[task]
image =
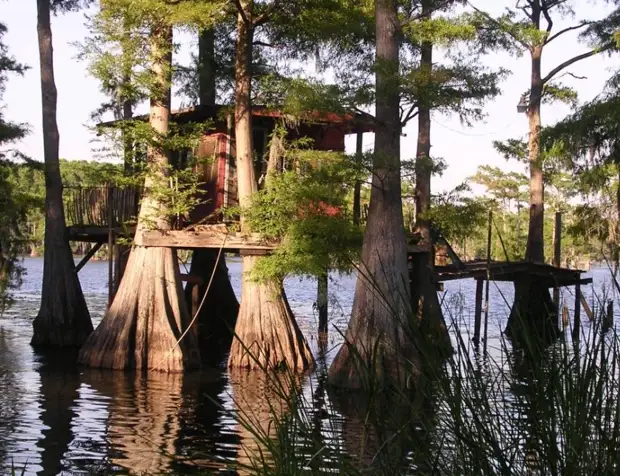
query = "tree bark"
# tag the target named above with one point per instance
(143, 326)
(424, 299)
(533, 316)
(377, 343)
(535, 250)
(266, 334)
(63, 319)
(206, 67)
(218, 314)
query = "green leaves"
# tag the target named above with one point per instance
(306, 209)
(12, 202)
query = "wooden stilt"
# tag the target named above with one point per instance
(486, 298)
(557, 254)
(117, 267)
(357, 190)
(478, 312)
(577, 323)
(321, 302)
(110, 247)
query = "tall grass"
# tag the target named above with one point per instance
(553, 411)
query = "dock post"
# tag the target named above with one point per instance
(117, 267)
(478, 312)
(110, 247)
(577, 323)
(486, 298)
(557, 254)
(357, 189)
(321, 302)
(608, 321)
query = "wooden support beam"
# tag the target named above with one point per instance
(557, 254)
(88, 256)
(577, 323)
(486, 293)
(117, 267)
(111, 239)
(191, 279)
(205, 238)
(478, 311)
(357, 210)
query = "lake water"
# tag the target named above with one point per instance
(58, 419)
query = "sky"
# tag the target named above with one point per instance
(463, 148)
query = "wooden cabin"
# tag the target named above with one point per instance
(92, 212)
(218, 174)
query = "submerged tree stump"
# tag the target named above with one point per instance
(267, 335)
(534, 317)
(427, 308)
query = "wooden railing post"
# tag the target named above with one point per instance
(557, 254)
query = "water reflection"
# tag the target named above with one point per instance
(58, 418)
(57, 400)
(262, 410)
(10, 397)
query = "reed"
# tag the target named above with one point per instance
(529, 411)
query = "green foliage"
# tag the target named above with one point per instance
(307, 212)
(457, 216)
(12, 203)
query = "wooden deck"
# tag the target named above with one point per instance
(510, 271)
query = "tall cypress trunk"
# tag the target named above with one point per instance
(425, 302)
(533, 317)
(535, 250)
(206, 67)
(218, 314)
(266, 334)
(376, 341)
(143, 327)
(63, 319)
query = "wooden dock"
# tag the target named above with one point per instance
(510, 271)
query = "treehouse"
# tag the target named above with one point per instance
(93, 213)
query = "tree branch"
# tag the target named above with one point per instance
(545, 12)
(574, 60)
(426, 14)
(263, 17)
(493, 20)
(410, 114)
(566, 30)
(241, 11)
(263, 43)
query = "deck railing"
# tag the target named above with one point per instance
(98, 206)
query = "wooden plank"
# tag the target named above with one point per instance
(191, 278)
(204, 239)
